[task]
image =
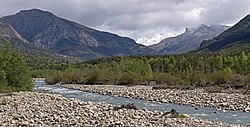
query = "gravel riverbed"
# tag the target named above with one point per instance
(46, 109)
(196, 97)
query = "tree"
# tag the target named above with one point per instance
(222, 76)
(15, 74)
(93, 78)
(247, 83)
(129, 78)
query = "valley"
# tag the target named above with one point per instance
(44, 57)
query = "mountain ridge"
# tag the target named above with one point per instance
(233, 37)
(189, 40)
(44, 29)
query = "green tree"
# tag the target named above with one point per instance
(129, 78)
(223, 76)
(15, 74)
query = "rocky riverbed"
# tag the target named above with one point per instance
(45, 109)
(196, 97)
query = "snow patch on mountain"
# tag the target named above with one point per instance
(147, 41)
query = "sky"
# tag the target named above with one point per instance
(142, 20)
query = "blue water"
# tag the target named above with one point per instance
(230, 117)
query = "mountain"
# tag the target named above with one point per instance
(235, 38)
(45, 30)
(189, 40)
(7, 32)
(34, 55)
(147, 41)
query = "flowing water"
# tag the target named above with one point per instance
(230, 117)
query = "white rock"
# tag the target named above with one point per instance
(164, 101)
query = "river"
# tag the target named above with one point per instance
(229, 117)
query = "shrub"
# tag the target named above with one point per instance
(222, 76)
(129, 78)
(43, 73)
(164, 78)
(76, 77)
(93, 78)
(15, 75)
(51, 80)
(197, 79)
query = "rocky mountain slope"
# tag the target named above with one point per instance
(189, 40)
(236, 38)
(7, 32)
(44, 29)
(33, 54)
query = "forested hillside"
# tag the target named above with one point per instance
(233, 39)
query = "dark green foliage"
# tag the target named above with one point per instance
(127, 71)
(92, 78)
(190, 69)
(15, 75)
(197, 78)
(43, 73)
(225, 76)
(129, 78)
(164, 78)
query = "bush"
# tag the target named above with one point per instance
(76, 77)
(222, 76)
(92, 78)
(197, 79)
(43, 73)
(51, 80)
(129, 78)
(164, 78)
(15, 75)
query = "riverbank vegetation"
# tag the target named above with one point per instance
(14, 72)
(229, 70)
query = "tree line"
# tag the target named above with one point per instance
(188, 69)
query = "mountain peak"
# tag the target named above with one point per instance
(230, 39)
(46, 30)
(202, 26)
(193, 29)
(30, 22)
(190, 40)
(34, 11)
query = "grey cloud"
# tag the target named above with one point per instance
(138, 18)
(226, 11)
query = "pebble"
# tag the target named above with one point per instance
(196, 97)
(41, 109)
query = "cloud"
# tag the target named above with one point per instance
(138, 18)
